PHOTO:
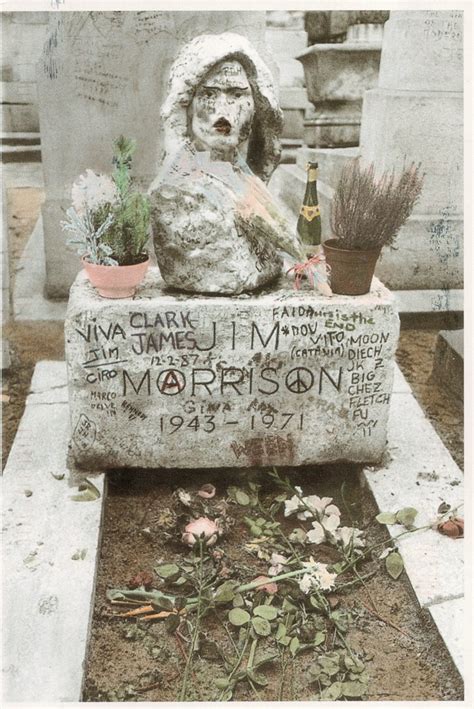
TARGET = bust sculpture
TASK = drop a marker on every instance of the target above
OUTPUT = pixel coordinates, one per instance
(216, 227)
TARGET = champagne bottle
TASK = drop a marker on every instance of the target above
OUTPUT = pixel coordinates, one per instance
(309, 220)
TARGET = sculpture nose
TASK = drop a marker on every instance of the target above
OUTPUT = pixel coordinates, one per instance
(223, 104)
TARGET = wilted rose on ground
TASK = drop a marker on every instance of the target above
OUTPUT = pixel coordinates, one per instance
(202, 528)
(143, 578)
(453, 527)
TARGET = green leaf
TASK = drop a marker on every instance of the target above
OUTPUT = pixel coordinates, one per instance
(288, 606)
(315, 672)
(294, 646)
(268, 612)
(353, 689)
(87, 492)
(406, 516)
(319, 638)
(58, 476)
(316, 603)
(386, 518)
(298, 536)
(285, 640)
(222, 683)
(238, 616)
(332, 693)
(167, 571)
(225, 592)
(261, 626)
(394, 564)
(162, 602)
(242, 498)
(330, 663)
(238, 600)
(281, 631)
(353, 664)
(172, 623)
(180, 581)
(341, 620)
(257, 678)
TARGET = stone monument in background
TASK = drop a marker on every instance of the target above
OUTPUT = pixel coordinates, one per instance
(414, 114)
(286, 38)
(337, 75)
(103, 74)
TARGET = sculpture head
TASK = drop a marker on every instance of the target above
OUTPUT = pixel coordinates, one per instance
(222, 110)
(221, 97)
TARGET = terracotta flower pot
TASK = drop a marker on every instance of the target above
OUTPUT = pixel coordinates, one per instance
(116, 281)
(351, 271)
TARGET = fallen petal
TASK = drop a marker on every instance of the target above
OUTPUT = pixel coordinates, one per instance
(267, 584)
(207, 491)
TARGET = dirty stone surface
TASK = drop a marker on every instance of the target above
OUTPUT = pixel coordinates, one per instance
(50, 542)
(282, 378)
(214, 224)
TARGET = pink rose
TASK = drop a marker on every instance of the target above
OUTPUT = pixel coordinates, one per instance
(202, 528)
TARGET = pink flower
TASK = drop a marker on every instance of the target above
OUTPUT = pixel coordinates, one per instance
(207, 491)
(202, 528)
(267, 584)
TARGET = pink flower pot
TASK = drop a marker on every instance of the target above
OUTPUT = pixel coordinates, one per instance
(116, 281)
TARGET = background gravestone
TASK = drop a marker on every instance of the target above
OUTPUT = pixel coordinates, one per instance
(23, 36)
(414, 114)
(102, 74)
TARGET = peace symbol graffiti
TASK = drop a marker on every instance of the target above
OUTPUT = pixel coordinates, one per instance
(299, 380)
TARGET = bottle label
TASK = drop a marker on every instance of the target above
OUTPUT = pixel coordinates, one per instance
(310, 213)
(312, 174)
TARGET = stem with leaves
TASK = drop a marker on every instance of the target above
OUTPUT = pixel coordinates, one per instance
(195, 635)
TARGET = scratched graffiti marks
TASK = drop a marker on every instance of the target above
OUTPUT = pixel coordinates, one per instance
(84, 433)
(259, 387)
(444, 237)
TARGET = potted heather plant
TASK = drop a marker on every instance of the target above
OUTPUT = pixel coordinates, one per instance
(367, 214)
(109, 224)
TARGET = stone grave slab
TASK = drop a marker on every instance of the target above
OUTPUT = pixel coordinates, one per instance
(284, 377)
(51, 543)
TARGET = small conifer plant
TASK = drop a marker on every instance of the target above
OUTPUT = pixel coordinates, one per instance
(109, 219)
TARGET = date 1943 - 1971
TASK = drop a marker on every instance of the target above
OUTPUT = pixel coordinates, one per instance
(207, 422)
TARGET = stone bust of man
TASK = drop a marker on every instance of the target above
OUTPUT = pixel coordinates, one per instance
(216, 228)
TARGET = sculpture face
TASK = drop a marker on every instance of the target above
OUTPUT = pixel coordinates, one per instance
(222, 110)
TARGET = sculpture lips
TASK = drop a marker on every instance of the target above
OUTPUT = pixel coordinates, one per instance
(222, 125)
